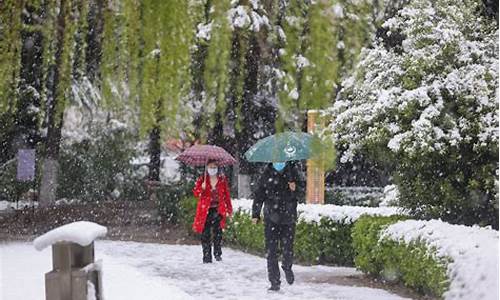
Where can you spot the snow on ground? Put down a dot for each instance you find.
(314, 212)
(22, 270)
(473, 250)
(11, 205)
(156, 271)
(82, 233)
(7, 205)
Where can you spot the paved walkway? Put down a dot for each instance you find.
(149, 271)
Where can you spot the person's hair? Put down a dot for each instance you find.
(211, 161)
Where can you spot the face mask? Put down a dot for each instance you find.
(212, 171)
(279, 166)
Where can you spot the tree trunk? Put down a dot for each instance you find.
(50, 168)
(198, 84)
(30, 85)
(94, 40)
(48, 188)
(155, 154)
(155, 134)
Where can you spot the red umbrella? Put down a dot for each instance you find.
(199, 155)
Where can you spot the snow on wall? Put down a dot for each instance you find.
(473, 271)
(314, 212)
(82, 233)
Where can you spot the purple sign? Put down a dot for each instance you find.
(26, 164)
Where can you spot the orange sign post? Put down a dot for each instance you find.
(315, 188)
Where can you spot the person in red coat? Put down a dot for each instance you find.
(214, 205)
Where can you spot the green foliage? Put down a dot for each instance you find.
(187, 211)
(324, 151)
(64, 48)
(120, 46)
(320, 45)
(413, 264)
(365, 236)
(10, 52)
(459, 189)
(171, 200)
(326, 242)
(216, 73)
(318, 82)
(146, 58)
(241, 233)
(168, 34)
(291, 42)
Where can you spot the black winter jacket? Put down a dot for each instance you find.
(280, 203)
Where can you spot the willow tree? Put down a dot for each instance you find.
(10, 53)
(321, 41)
(59, 50)
(216, 66)
(145, 64)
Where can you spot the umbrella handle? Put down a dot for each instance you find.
(205, 175)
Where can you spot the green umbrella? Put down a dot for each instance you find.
(282, 147)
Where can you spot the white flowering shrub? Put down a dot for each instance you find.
(429, 107)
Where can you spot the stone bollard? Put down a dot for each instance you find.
(75, 275)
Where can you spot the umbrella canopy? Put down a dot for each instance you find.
(282, 147)
(199, 155)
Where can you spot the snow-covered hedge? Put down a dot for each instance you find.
(354, 195)
(433, 257)
(323, 232)
(472, 253)
(341, 214)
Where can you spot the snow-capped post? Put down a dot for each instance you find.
(75, 275)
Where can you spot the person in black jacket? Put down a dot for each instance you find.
(277, 191)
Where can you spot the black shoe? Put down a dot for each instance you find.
(218, 258)
(207, 260)
(290, 278)
(274, 288)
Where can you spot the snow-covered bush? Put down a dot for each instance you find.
(412, 264)
(323, 232)
(429, 107)
(391, 196)
(323, 242)
(434, 257)
(99, 168)
(471, 253)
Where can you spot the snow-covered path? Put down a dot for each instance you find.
(157, 271)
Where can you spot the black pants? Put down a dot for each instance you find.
(212, 225)
(278, 235)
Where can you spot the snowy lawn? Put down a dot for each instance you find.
(156, 271)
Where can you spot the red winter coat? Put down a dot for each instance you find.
(204, 198)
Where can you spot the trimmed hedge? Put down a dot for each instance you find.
(326, 242)
(412, 264)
